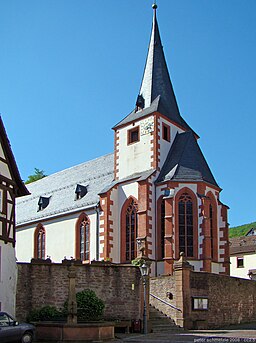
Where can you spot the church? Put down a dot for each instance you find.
(155, 192)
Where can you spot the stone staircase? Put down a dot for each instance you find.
(159, 322)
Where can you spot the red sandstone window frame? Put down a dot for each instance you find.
(162, 231)
(195, 222)
(39, 242)
(212, 214)
(83, 219)
(166, 132)
(131, 201)
(131, 137)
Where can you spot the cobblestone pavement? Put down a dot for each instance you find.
(206, 336)
(226, 335)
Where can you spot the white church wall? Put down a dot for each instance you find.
(165, 145)
(8, 277)
(25, 243)
(123, 192)
(135, 157)
(198, 265)
(215, 268)
(59, 238)
(115, 253)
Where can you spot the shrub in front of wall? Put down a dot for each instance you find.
(45, 313)
(89, 306)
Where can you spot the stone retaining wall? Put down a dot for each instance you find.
(41, 284)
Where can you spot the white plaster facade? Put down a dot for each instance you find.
(248, 264)
(133, 158)
(11, 186)
(8, 278)
(59, 238)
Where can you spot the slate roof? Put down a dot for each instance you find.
(20, 187)
(60, 187)
(243, 244)
(140, 176)
(185, 161)
(156, 87)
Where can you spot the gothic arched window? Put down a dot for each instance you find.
(213, 226)
(162, 228)
(186, 225)
(129, 230)
(39, 250)
(83, 238)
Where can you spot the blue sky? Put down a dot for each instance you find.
(71, 69)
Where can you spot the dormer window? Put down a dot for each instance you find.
(140, 103)
(80, 191)
(43, 202)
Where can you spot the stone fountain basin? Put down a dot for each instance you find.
(63, 332)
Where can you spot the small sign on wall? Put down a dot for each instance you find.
(200, 303)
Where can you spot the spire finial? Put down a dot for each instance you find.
(154, 6)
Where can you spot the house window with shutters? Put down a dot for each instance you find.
(83, 238)
(39, 250)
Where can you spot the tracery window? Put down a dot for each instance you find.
(211, 228)
(83, 237)
(40, 242)
(186, 225)
(131, 229)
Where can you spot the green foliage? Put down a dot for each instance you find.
(44, 313)
(241, 230)
(89, 306)
(138, 262)
(39, 174)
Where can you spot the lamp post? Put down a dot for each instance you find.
(144, 269)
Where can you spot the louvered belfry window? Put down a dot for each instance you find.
(131, 231)
(186, 226)
(85, 240)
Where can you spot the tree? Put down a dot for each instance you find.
(39, 174)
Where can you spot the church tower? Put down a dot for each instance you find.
(164, 192)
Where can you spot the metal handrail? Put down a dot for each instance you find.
(165, 302)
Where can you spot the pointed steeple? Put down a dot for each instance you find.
(156, 80)
(156, 91)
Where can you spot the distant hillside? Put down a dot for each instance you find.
(241, 230)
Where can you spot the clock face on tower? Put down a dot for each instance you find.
(147, 126)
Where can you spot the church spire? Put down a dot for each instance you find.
(156, 80)
(156, 91)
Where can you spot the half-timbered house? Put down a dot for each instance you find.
(11, 186)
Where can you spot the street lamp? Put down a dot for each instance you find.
(144, 269)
